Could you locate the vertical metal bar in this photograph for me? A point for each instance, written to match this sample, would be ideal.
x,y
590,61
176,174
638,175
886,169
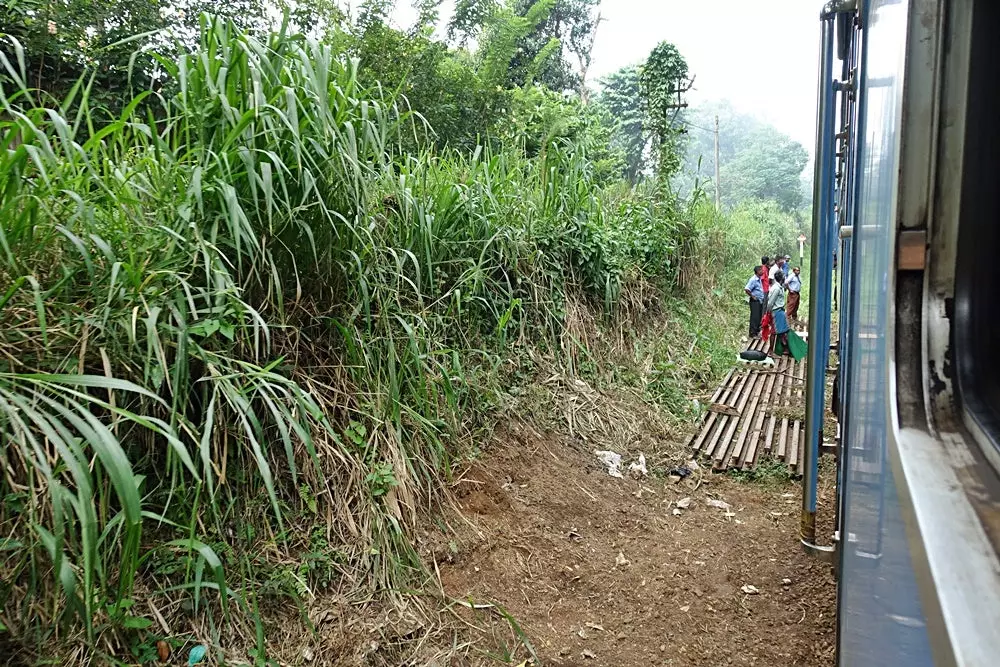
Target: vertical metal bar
x,y
849,314
820,276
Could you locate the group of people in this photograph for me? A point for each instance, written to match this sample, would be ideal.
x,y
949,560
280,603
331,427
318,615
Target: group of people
x,y
774,293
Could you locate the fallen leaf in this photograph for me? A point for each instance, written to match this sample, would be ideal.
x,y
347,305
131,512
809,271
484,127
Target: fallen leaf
x,y
582,634
594,626
307,654
750,590
163,650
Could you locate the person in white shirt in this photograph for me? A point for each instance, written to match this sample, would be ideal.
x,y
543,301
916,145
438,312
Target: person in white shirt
x,y
779,265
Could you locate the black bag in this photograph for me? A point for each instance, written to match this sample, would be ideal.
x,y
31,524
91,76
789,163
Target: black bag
x,y
753,355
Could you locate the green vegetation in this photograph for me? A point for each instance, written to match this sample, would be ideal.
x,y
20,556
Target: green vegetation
x,y
756,161
252,312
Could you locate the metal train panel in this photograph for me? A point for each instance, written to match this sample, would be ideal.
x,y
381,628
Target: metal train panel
x,y
918,512
881,621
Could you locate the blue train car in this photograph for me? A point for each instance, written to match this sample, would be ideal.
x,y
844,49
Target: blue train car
x,y
907,197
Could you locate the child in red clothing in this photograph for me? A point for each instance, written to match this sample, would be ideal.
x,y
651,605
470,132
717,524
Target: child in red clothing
x,y
765,322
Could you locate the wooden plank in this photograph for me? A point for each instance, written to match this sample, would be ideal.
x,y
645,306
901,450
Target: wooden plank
x,y
780,450
802,458
709,447
800,392
769,432
790,384
749,454
793,446
750,416
776,392
743,398
710,418
723,409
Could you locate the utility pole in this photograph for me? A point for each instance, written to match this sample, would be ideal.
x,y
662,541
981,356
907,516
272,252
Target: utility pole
x,y
718,197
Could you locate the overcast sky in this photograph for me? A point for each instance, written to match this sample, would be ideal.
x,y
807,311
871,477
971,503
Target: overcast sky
x,y
762,56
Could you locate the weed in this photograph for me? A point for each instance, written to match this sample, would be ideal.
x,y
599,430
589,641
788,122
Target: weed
x,y
768,472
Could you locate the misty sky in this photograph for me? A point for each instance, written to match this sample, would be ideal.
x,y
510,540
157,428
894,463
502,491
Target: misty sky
x,y
762,56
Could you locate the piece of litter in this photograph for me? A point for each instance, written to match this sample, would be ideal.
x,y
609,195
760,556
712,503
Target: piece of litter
x,y
590,655
721,504
676,512
612,461
750,590
787,495
786,582
582,634
621,561
638,468
693,465
729,515
681,472
686,608
594,626
684,503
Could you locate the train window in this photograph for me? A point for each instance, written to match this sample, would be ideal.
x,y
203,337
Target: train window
x,y
976,321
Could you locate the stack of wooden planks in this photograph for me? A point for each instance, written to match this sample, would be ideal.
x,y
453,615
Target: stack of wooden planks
x,y
757,413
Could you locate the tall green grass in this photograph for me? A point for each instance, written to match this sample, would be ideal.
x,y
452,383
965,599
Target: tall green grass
x,y
241,311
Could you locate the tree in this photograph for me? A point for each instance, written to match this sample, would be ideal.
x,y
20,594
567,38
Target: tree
x,y
756,160
662,82
621,97
769,169
470,18
567,30
445,87
113,40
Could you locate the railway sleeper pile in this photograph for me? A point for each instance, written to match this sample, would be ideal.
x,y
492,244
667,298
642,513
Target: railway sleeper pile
x,y
756,414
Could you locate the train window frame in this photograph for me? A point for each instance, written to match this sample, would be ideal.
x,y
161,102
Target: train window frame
x,y
948,492
975,313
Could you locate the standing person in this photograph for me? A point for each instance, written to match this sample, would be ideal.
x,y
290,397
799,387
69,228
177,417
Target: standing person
x,y
755,290
776,309
765,321
778,265
794,285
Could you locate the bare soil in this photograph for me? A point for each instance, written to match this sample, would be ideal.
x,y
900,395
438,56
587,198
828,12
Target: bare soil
x,y
597,570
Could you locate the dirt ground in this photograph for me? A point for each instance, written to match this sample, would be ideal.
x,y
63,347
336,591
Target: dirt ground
x,y
604,571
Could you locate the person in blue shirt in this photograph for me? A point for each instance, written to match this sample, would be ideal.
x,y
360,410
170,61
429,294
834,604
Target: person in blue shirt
x,y
755,290
794,285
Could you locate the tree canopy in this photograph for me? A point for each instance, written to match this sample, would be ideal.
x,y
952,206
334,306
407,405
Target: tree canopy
x,y
757,161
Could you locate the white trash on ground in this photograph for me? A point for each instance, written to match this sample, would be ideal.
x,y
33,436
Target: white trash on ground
x,y
612,461
638,468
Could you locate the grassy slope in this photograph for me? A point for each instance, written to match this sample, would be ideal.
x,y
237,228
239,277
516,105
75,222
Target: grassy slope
x,y
245,338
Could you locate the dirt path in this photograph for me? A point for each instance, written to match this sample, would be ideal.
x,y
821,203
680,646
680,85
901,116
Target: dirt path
x,y
602,571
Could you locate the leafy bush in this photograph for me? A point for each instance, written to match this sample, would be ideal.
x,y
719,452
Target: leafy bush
x,y
243,302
